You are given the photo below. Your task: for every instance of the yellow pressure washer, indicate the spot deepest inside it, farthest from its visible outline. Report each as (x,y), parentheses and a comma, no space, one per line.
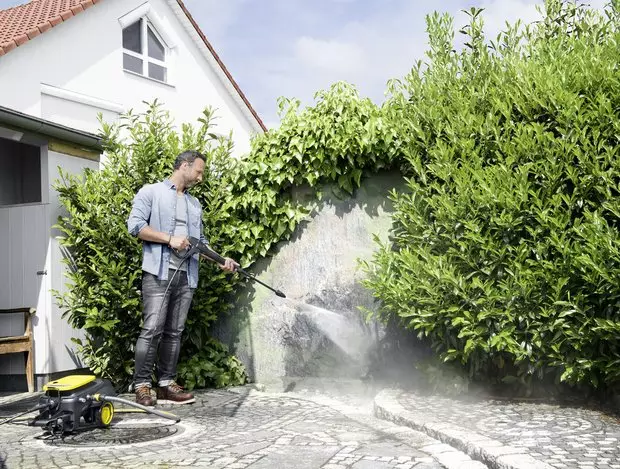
(79,402)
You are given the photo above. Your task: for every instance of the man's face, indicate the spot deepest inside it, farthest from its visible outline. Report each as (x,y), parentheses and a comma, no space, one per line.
(193,172)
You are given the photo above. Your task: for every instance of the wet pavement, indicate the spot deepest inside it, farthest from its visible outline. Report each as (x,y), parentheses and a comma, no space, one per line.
(510,435)
(329,427)
(234,428)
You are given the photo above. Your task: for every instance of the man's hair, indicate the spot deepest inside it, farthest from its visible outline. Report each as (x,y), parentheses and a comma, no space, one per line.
(188,156)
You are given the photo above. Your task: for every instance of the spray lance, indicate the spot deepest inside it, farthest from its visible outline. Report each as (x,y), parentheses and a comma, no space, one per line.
(203,248)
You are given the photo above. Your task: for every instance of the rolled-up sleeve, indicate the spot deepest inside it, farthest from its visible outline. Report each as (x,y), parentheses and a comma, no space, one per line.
(140,211)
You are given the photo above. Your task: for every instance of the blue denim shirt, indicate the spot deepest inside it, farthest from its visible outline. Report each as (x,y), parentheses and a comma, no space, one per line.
(155,205)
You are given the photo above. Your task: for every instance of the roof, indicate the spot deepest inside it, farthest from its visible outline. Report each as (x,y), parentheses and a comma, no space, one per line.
(22,23)
(222,66)
(19,120)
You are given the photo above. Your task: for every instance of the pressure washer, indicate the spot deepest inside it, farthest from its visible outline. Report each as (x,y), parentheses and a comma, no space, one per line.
(79,402)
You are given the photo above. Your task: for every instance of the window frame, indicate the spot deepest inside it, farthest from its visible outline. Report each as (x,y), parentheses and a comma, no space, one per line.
(145,25)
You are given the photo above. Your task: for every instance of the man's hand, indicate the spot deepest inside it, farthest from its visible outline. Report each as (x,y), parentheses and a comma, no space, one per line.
(179,243)
(229,265)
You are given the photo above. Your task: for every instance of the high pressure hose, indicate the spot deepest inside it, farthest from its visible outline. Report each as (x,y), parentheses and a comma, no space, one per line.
(35,408)
(160,413)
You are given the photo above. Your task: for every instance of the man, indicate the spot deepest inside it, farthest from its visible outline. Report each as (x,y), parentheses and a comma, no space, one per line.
(163,216)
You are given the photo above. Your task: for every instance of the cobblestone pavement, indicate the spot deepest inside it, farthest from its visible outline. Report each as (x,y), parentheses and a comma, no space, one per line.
(236,428)
(510,434)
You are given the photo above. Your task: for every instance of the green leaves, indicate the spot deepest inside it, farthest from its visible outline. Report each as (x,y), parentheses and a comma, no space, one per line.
(211,366)
(104,279)
(506,248)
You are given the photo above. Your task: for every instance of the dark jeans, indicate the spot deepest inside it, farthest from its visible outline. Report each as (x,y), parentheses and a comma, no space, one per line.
(164,321)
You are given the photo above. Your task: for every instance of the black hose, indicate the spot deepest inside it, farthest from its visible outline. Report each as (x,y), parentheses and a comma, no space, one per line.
(37,407)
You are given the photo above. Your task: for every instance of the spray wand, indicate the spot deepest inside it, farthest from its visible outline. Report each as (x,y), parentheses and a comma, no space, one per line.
(204,249)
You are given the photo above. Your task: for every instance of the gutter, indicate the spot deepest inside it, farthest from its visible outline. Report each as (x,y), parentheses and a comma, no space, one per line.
(30,123)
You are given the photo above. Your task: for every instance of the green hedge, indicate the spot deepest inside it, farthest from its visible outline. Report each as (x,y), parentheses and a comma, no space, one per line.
(103,295)
(506,246)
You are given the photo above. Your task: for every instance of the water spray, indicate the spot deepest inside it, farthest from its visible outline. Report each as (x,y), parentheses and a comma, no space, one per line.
(205,250)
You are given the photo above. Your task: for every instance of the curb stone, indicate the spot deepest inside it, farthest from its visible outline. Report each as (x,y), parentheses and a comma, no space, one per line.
(446,455)
(479,447)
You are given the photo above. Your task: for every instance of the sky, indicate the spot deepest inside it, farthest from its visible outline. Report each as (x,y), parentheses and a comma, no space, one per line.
(294,48)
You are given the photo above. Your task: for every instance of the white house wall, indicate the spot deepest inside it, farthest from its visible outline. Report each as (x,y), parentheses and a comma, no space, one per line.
(74,114)
(75,70)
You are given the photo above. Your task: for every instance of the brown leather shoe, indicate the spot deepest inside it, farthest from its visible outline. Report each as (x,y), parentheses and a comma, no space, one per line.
(174,394)
(143,396)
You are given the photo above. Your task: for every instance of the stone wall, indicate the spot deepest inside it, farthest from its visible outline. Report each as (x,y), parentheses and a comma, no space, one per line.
(317,331)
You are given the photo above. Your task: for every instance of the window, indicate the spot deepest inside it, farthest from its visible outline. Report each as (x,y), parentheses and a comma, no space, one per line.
(20,173)
(143,51)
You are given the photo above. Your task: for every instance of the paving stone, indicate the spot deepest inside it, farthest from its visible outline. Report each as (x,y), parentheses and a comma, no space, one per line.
(501,432)
(428,465)
(374,464)
(235,429)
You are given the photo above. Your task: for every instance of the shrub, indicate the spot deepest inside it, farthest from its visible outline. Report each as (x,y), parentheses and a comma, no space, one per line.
(505,250)
(103,298)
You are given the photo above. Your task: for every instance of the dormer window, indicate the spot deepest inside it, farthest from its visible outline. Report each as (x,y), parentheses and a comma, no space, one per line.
(144,51)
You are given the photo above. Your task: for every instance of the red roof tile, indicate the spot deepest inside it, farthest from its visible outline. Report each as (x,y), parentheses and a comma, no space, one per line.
(21,23)
(24,22)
